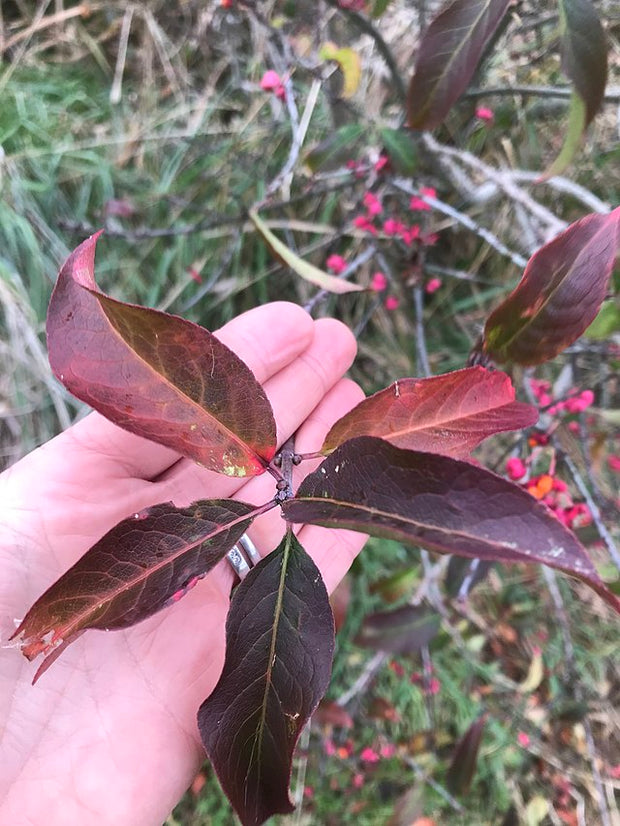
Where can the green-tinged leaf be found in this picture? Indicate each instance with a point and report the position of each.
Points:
(606, 323)
(401, 150)
(156, 374)
(610, 416)
(279, 648)
(145, 563)
(449, 414)
(307, 271)
(449, 54)
(398, 585)
(584, 53)
(572, 141)
(336, 149)
(536, 811)
(409, 807)
(463, 766)
(584, 60)
(379, 7)
(561, 292)
(350, 66)
(439, 503)
(400, 631)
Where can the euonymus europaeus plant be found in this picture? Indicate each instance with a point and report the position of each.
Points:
(395, 466)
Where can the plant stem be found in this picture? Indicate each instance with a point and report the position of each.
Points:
(286, 459)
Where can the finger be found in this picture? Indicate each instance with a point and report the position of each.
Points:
(294, 394)
(267, 339)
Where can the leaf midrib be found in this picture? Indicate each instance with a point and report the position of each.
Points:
(257, 744)
(442, 422)
(144, 575)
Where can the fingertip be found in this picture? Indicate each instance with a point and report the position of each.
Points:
(341, 339)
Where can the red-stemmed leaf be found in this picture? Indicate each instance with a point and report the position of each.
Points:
(145, 563)
(279, 648)
(449, 414)
(561, 292)
(463, 765)
(449, 55)
(156, 374)
(439, 503)
(402, 631)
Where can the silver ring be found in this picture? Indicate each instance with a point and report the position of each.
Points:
(243, 556)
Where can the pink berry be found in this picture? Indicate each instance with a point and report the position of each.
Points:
(270, 81)
(515, 468)
(378, 282)
(336, 264)
(369, 755)
(372, 204)
(485, 114)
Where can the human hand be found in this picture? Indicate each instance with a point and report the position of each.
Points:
(109, 734)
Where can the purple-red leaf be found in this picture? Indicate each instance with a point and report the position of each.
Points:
(156, 374)
(584, 60)
(449, 414)
(146, 562)
(279, 648)
(402, 631)
(561, 292)
(439, 503)
(449, 55)
(584, 52)
(463, 765)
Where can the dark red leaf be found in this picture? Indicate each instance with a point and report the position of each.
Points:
(329, 713)
(449, 414)
(439, 503)
(561, 292)
(401, 631)
(584, 52)
(143, 564)
(279, 649)
(156, 374)
(463, 765)
(449, 55)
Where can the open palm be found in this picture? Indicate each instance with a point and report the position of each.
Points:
(109, 735)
